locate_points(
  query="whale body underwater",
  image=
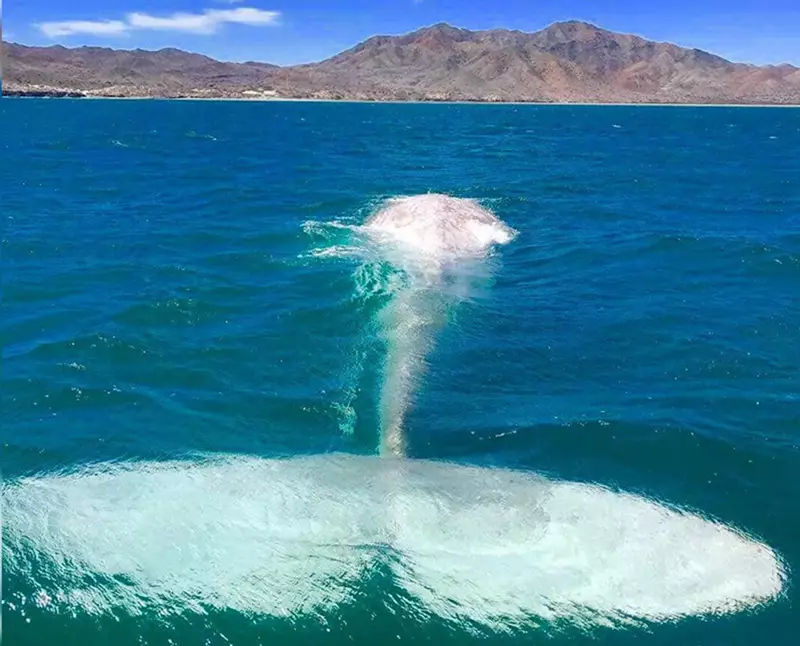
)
(487, 548)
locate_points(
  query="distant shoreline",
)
(648, 104)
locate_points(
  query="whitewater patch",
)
(493, 548)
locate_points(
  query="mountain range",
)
(566, 62)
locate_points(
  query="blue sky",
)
(295, 31)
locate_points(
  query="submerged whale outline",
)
(491, 547)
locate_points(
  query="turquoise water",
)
(193, 328)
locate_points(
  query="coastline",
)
(80, 95)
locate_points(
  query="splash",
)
(496, 549)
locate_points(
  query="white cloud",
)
(203, 23)
(94, 27)
(207, 22)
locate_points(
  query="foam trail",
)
(438, 242)
(494, 548)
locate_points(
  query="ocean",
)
(201, 349)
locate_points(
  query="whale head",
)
(437, 227)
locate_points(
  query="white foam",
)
(337, 251)
(495, 547)
(316, 227)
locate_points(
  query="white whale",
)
(494, 549)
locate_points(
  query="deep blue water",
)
(168, 295)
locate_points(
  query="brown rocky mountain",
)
(96, 68)
(568, 61)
